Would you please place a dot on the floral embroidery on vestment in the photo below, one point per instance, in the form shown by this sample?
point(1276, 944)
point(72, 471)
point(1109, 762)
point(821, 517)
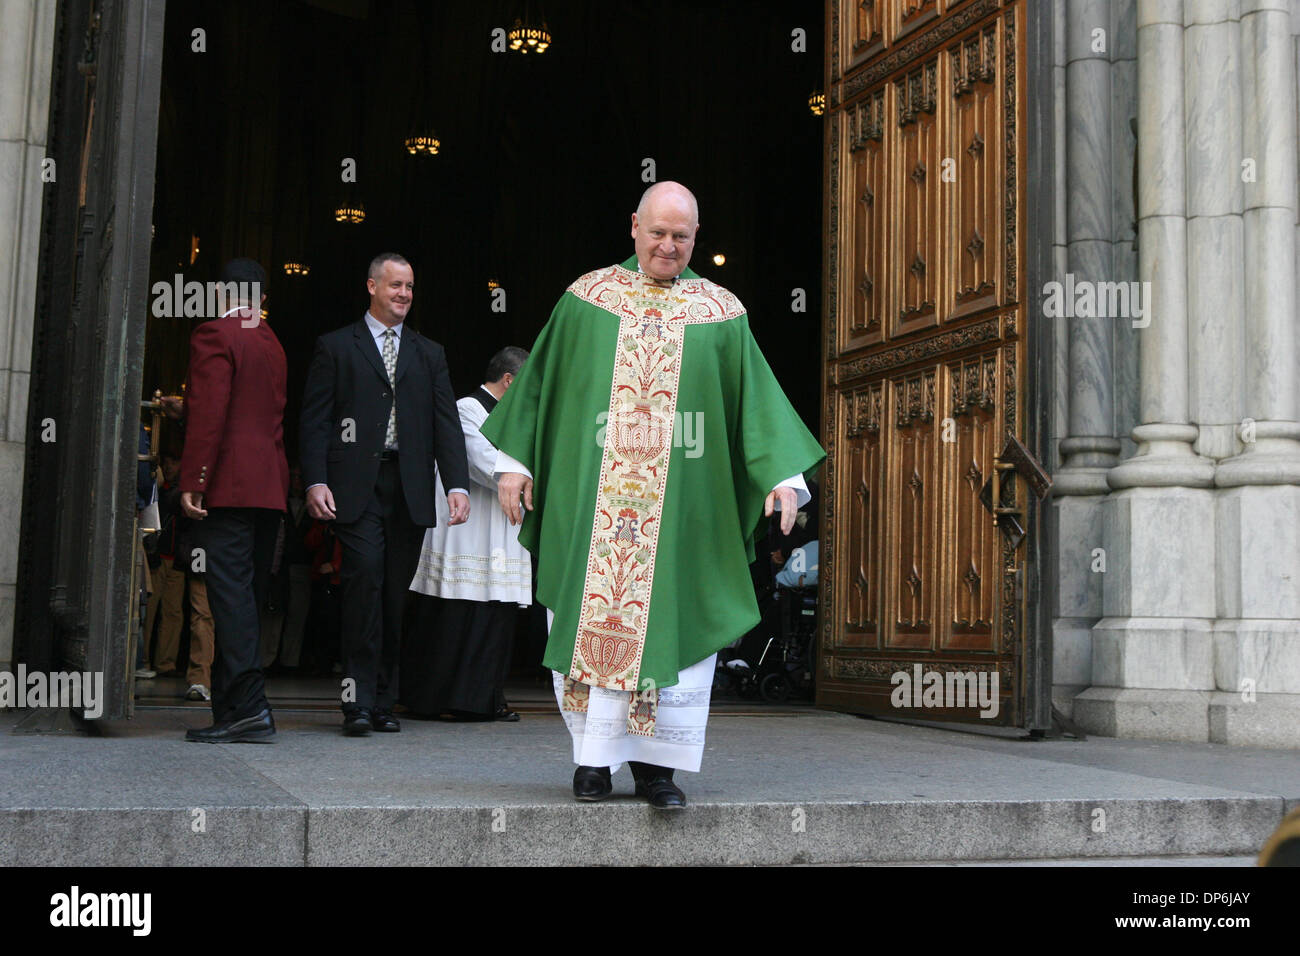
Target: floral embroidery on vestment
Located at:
point(614, 616)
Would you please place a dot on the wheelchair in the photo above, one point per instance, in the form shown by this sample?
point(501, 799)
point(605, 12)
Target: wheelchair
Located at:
point(774, 661)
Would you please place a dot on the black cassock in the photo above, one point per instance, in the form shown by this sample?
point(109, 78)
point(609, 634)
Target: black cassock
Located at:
point(456, 656)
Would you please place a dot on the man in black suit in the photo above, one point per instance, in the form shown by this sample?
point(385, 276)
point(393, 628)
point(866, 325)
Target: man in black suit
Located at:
point(368, 460)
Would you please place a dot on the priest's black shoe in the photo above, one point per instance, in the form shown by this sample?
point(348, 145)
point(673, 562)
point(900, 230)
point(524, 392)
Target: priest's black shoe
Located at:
point(655, 783)
point(592, 783)
point(384, 722)
point(258, 729)
point(356, 723)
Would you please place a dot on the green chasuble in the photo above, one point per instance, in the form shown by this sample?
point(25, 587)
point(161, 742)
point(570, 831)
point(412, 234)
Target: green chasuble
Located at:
point(654, 430)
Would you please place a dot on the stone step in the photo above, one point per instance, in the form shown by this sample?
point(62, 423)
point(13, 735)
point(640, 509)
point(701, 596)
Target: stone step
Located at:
point(818, 788)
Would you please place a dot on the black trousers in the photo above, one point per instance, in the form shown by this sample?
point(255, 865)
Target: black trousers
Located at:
point(381, 550)
point(239, 545)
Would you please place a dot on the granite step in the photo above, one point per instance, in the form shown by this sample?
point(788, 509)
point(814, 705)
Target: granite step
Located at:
point(810, 787)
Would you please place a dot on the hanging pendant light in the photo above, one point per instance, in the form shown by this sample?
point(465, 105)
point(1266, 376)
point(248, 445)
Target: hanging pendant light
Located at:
point(527, 36)
point(423, 145)
point(350, 212)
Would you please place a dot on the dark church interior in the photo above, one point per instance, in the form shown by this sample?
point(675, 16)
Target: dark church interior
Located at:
point(539, 167)
point(541, 161)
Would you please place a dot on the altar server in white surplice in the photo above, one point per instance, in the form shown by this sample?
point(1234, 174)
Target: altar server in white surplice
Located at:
point(457, 650)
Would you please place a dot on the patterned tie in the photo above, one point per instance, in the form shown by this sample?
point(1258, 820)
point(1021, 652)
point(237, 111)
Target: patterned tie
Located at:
point(390, 365)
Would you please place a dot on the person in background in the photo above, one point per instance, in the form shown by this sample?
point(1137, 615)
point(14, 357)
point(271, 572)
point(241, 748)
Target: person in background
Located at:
point(169, 581)
point(477, 575)
point(378, 413)
point(234, 482)
point(144, 493)
point(184, 577)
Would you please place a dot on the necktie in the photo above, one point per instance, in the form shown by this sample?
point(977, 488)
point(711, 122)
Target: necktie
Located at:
point(390, 366)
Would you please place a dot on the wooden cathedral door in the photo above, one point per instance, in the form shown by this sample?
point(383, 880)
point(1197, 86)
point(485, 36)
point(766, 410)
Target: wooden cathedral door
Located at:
point(925, 363)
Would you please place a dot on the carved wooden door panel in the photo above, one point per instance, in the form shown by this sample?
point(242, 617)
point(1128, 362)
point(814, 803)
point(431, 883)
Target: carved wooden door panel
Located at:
point(925, 362)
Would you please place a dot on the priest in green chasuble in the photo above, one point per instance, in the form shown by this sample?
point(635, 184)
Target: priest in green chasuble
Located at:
point(643, 447)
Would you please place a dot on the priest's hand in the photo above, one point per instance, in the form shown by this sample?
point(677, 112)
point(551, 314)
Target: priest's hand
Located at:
point(458, 505)
point(789, 499)
point(320, 502)
point(510, 486)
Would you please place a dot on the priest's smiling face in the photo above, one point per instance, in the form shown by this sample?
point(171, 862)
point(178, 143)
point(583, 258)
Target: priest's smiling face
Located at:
point(664, 228)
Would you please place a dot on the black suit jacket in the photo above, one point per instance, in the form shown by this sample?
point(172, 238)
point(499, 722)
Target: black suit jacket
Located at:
point(347, 381)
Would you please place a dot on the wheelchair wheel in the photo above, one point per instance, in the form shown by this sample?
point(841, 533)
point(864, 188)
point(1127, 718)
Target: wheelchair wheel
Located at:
point(775, 688)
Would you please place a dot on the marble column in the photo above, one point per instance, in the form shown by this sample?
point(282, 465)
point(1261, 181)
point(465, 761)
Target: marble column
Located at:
point(1152, 651)
point(1124, 247)
point(1089, 449)
point(1269, 140)
point(1214, 224)
point(1257, 635)
point(1165, 436)
point(26, 52)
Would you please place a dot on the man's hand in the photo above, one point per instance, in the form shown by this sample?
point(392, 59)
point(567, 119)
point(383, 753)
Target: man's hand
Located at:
point(173, 406)
point(192, 505)
point(510, 486)
point(320, 502)
point(789, 499)
point(458, 505)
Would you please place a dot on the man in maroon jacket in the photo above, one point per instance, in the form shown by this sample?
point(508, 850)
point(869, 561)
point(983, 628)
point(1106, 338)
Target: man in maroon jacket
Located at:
point(234, 484)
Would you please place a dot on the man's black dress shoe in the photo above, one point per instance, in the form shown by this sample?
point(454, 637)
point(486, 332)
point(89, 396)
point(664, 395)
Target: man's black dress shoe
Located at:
point(506, 714)
point(258, 729)
point(592, 783)
point(384, 722)
point(662, 793)
point(356, 723)
point(655, 783)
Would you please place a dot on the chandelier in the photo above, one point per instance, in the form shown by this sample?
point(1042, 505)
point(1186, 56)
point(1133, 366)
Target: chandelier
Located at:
point(352, 212)
point(817, 103)
point(423, 145)
point(529, 39)
point(296, 268)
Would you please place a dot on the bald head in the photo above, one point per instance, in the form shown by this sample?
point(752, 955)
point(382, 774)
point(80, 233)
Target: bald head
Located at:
point(664, 227)
point(672, 193)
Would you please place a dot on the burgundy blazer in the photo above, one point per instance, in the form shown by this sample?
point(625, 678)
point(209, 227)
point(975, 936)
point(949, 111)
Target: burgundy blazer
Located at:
point(234, 416)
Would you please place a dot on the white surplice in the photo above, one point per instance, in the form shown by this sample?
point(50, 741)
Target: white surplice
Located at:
point(482, 559)
point(600, 737)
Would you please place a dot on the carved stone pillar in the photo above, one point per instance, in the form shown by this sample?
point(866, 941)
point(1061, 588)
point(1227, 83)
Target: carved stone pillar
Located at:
point(1152, 652)
point(1091, 449)
point(1269, 144)
point(1257, 636)
point(1164, 457)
